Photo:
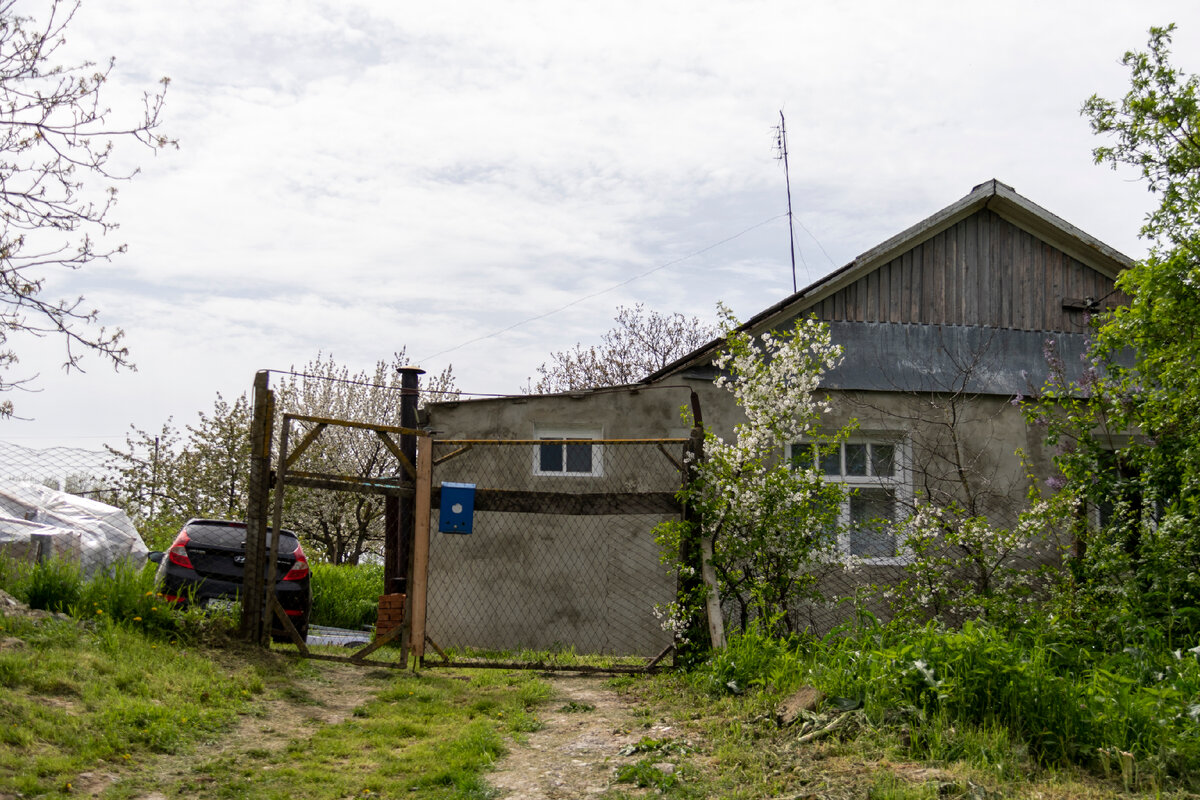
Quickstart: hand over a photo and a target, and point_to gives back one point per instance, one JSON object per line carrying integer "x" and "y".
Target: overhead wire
{"x": 611, "y": 288}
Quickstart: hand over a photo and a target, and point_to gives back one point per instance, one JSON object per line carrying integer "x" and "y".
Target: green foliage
{"x": 1156, "y": 131}
{"x": 772, "y": 523}
{"x": 996, "y": 694}
{"x": 125, "y": 594}
{"x": 1128, "y": 435}
{"x": 74, "y": 698}
{"x": 345, "y": 595}
{"x": 964, "y": 567}
{"x": 752, "y": 659}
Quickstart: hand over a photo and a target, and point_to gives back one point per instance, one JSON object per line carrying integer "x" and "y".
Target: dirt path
{"x": 577, "y": 751}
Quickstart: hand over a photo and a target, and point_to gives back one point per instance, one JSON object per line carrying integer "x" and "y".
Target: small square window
{"x": 568, "y": 453}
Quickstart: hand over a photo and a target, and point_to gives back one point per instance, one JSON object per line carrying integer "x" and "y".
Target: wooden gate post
{"x": 420, "y": 571}
{"x": 262, "y": 427}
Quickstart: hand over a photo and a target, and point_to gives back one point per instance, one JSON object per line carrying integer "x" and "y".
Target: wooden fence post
{"x": 262, "y": 426}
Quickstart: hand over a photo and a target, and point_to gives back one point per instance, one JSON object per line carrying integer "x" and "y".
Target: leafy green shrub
{"x": 125, "y": 594}
{"x": 751, "y": 659}
{"x": 52, "y": 585}
{"x": 1064, "y": 702}
{"x": 346, "y": 596}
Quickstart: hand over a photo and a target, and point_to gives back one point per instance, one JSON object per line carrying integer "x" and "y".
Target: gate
{"x": 558, "y": 568}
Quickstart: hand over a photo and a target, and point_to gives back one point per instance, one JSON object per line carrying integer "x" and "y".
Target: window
{"x": 875, "y": 476}
{"x": 568, "y": 453}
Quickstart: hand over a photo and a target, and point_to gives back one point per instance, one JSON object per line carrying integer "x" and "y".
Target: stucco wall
{"x": 957, "y": 448}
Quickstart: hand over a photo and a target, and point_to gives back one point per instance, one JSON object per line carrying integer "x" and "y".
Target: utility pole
{"x": 781, "y": 146}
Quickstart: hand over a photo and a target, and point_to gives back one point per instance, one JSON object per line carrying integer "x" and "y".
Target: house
{"x": 942, "y": 326}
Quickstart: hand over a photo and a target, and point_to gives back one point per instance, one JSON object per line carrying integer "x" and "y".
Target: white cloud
{"x": 356, "y": 176}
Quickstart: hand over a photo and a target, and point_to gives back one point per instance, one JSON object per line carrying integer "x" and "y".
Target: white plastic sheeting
{"x": 39, "y": 522}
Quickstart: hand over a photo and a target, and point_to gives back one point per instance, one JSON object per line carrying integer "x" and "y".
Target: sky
{"x": 484, "y": 183}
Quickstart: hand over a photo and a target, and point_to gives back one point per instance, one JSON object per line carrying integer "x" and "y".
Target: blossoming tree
{"x": 771, "y": 522}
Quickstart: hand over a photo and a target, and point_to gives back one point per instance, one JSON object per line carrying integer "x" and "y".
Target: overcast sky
{"x": 354, "y": 177}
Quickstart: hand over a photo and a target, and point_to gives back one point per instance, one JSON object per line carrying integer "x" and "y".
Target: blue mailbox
{"x": 457, "y": 511}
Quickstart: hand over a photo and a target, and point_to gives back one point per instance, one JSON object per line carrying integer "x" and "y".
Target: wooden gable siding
{"x": 982, "y": 271}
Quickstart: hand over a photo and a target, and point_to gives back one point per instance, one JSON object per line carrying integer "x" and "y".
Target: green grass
{"x": 346, "y": 596}
{"x": 75, "y": 698}
{"x": 1005, "y": 709}
{"x": 428, "y": 737}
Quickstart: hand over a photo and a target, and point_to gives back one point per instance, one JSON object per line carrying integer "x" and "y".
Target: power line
{"x": 614, "y": 287}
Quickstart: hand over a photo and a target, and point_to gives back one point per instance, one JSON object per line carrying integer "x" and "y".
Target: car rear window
{"x": 232, "y": 536}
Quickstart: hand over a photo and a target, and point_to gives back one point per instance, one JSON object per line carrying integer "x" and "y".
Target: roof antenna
{"x": 781, "y": 148}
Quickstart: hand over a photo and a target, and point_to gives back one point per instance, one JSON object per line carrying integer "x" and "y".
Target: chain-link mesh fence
{"x": 54, "y": 504}
{"x": 561, "y": 555}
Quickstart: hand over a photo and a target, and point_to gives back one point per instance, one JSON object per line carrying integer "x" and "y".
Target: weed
{"x": 648, "y": 773}
{"x": 346, "y": 596}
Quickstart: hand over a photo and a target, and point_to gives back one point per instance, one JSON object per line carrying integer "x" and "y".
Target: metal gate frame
{"x": 263, "y": 528}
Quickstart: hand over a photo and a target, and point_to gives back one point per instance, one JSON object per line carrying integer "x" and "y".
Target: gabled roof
{"x": 992, "y": 195}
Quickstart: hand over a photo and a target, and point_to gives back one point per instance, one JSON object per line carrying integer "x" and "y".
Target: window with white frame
{"x": 568, "y": 453}
{"x": 875, "y": 474}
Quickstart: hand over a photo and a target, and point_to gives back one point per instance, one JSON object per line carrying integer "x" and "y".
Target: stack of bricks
{"x": 391, "y": 613}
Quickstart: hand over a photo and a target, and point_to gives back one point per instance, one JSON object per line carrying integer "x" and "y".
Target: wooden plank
{"x": 345, "y": 423}
{"x": 582, "y": 504}
{"x": 968, "y": 246}
{"x": 345, "y": 484}
{"x": 395, "y": 450}
{"x": 674, "y": 461}
{"x": 897, "y": 306}
{"x": 287, "y": 625}
{"x": 421, "y": 514}
{"x": 379, "y": 642}
{"x": 258, "y": 508}
{"x": 938, "y": 298}
{"x": 1004, "y": 264}
{"x": 878, "y": 291}
{"x": 950, "y": 260}
{"x": 1056, "y": 317}
{"x": 453, "y": 454}
{"x": 987, "y": 279}
{"x": 912, "y": 271}
{"x": 308, "y": 439}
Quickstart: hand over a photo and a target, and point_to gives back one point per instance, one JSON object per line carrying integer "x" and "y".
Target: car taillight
{"x": 299, "y": 569}
{"x": 178, "y": 553}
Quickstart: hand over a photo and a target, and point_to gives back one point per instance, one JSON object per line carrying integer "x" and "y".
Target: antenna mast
{"x": 781, "y": 146}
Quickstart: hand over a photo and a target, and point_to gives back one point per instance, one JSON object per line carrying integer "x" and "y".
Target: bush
{"x": 126, "y": 594}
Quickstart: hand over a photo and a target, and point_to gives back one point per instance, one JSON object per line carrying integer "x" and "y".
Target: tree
{"x": 641, "y": 343}
{"x": 1129, "y": 438}
{"x": 202, "y": 470}
{"x": 165, "y": 478}
{"x": 57, "y": 183}
{"x": 343, "y": 527}
{"x": 772, "y": 523}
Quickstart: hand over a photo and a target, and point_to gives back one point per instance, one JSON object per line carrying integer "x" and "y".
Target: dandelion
{"x": 99, "y": 610}
{"x": 149, "y": 594}
{"x": 137, "y": 619}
